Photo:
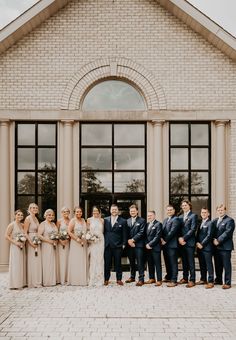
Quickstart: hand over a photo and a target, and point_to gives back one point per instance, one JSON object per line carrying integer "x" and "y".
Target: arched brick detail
{"x": 120, "y": 68}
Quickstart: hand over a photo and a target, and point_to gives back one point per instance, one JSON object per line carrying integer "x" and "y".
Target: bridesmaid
{"x": 34, "y": 260}
{"x": 77, "y": 265}
{"x": 17, "y": 260}
{"x": 46, "y": 229}
{"x": 62, "y": 225}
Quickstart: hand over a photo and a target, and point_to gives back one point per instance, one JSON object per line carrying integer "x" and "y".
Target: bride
{"x": 96, "y": 248}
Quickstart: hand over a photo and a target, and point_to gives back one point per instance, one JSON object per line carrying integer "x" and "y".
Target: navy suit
{"x": 136, "y": 232}
{"x": 115, "y": 238}
{"x": 153, "y": 239}
{"x": 223, "y": 232}
{"x": 170, "y": 233}
{"x": 188, "y": 231}
{"x": 205, "y": 238}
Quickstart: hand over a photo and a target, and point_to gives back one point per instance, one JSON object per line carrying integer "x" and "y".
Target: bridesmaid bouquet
{"x": 63, "y": 235}
{"x": 91, "y": 237}
{"x": 36, "y": 241}
{"x": 54, "y": 236}
{"x": 81, "y": 234}
{"x": 20, "y": 237}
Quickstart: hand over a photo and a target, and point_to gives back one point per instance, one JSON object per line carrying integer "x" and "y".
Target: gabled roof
{"x": 182, "y": 9}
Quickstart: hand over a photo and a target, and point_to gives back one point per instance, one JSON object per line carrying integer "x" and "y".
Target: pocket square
{"x": 120, "y": 226}
{"x": 204, "y": 226}
{"x": 137, "y": 224}
{"x": 153, "y": 228}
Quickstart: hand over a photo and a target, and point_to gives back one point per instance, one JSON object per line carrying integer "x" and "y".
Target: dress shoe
{"x": 201, "y": 282}
{"x": 150, "y": 281}
{"x": 226, "y": 286}
{"x": 130, "y": 280}
{"x": 209, "y": 285}
{"x": 171, "y": 284}
{"x": 165, "y": 280}
{"x": 190, "y": 284}
{"x": 182, "y": 281}
{"x": 158, "y": 284}
{"x": 120, "y": 283}
{"x": 139, "y": 283}
{"x": 216, "y": 282}
{"x": 106, "y": 283}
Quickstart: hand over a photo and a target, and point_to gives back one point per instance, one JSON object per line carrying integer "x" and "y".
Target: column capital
{"x": 221, "y": 122}
{"x": 67, "y": 121}
{"x": 4, "y": 122}
{"x": 158, "y": 122}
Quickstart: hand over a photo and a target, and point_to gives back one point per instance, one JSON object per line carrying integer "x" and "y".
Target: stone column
{"x": 68, "y": 164}
{"x": 5, "y": 191}
{"x": 220, "y": 162}
{"x": 158, "y": 178}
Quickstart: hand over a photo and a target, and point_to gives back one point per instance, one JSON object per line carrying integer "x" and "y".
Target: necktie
{"x": 219, "y": 221}
{"x": 150, "y": 226}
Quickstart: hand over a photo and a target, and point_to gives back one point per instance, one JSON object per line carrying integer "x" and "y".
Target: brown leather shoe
{"x": 171, "y": 284}
{"x": 190, "y": 284}
{"x": 106, "y": 283}
{"x": 209, "y": 285}
{"x": 158, "y": 284}
{"x": 130, "y": 280}
{"x": 150, "y": 281}
{"x": 183, "y": 281}
{"x": 139, "y": 283}
{"x": 120, "y": 283}
{"x": 226, "y": 286}
{"x": 201, "y": 282}
{"x": 166, "y": 280}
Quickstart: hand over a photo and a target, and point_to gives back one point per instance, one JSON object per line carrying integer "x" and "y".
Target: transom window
{"x": 110, "y": 95}
{"x": 190, "y": 164}
{"x": 36, "y": 159}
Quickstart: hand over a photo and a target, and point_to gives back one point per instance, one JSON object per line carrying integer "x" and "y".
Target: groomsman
{"x": 187, "y": 242}
{"x": 136, "y": 228}
{"x": 204, "y": 249}
{"x": 223, "y": 242}
{"x": 115, "y": 234}
{"x": 170, "y": 234}
{"x": 153, "y": 248}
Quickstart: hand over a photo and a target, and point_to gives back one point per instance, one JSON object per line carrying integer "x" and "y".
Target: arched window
{"x": 112, "y": 95}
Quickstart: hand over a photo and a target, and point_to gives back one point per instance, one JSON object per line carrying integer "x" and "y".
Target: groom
{"x": 115, "y": 229}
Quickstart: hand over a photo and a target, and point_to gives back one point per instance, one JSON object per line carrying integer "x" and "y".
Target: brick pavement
{"x": 113, "y": 312}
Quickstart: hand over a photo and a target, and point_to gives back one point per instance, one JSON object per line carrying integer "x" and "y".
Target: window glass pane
{"x": 199, "y": 183}
{"x": 200, "y": 202}
{"x": 179, "y": 183}
{"x": 176, "y": 201}
{"x": 128, "y": 158}
{"x": 23, "y": 202}
{"x": 199, "y": 159}
{"x": 129, "y": 182}
{"x": 130, "y": 134}
{"x": 47, "y": 183}
{"x": 199, "y": 134}
{"x": 96, "y": 134}
{"x": 26, "y": 182}
{"x": 113, "y": 95}
{"x": 179, "y": 134}
{"x": 96, "y": 181}
{"x": 46, "y": 134}
{"x": 47, "y": 159}
{"x": 124, "y": 204}
{"x": 47, "y": 202}
{"x": 26, "y": 159}
{"x": 179, "y": 159}
{"x": 26, "y": 134}
{"x": 96, "y": 159}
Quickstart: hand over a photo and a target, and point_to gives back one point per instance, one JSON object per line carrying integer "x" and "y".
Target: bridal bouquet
{"x": 20, "y": 237}
{"x": 54, "y": 236}
{"x": 90, "y": 237}
{"x": 36, "y": 241}
{"x": 63, "y": 235}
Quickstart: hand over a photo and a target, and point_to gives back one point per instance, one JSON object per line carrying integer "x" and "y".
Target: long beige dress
{"x": 48, "y": 256}
{"x": 63, "y": 255}
{"x": 34, "y": 263}
{"x": 77, "y": 264}
{"x": 17, "y": 260}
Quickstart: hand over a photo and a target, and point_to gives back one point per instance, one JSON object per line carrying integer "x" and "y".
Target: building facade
{"x": 116, "y": 101}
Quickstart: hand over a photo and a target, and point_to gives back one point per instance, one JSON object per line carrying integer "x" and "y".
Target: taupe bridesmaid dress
{"x": 77, "y": 265}
{"x": 63, "y": 255}
{"x": 34, "y": 263}
{"x": 17, "y": 261}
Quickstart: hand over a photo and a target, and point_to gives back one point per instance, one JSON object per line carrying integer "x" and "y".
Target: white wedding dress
{"x": 96, "y": 253}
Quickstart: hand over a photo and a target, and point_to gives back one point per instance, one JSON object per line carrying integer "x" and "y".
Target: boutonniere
{"x": 153, "y": 227}
{"x": 120, "y": 225}
{"x": 137, "y": 224}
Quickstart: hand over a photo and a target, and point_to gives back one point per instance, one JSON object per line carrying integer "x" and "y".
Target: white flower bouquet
{"x": 90, "y": 237}
{"x": 20, "y": 237}
{"x": 63, "y": 235}
{"x": 36, "y": 241}
{"x": 54, "y": 236}
{"x": 81, "y": 235}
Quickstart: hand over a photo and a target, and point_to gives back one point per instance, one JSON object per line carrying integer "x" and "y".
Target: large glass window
{"x": 36, "y": 158}
{"x": 190, "y": 164}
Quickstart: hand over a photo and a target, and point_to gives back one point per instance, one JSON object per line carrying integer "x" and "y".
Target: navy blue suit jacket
{"x": 115, "y": 236}
{"x": 153, "y": 236}
{"x": 170, "y": 232}
{"x": 136, "y": 232}
{"x": 224, "y": 233}
{"x": 189, "y": 228}
{"x": 205, "y": 235}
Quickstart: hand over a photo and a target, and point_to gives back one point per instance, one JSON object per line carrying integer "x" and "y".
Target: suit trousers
{"x": 110, "y": 253}
{"x": 206, "y": 265}
{"x": 136, "y": 254}
{"x": 223, "y": 262}
{"x": 171, "y": 263}
{"x": 188, "y": 263}
{"x": 154, "y": 264}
